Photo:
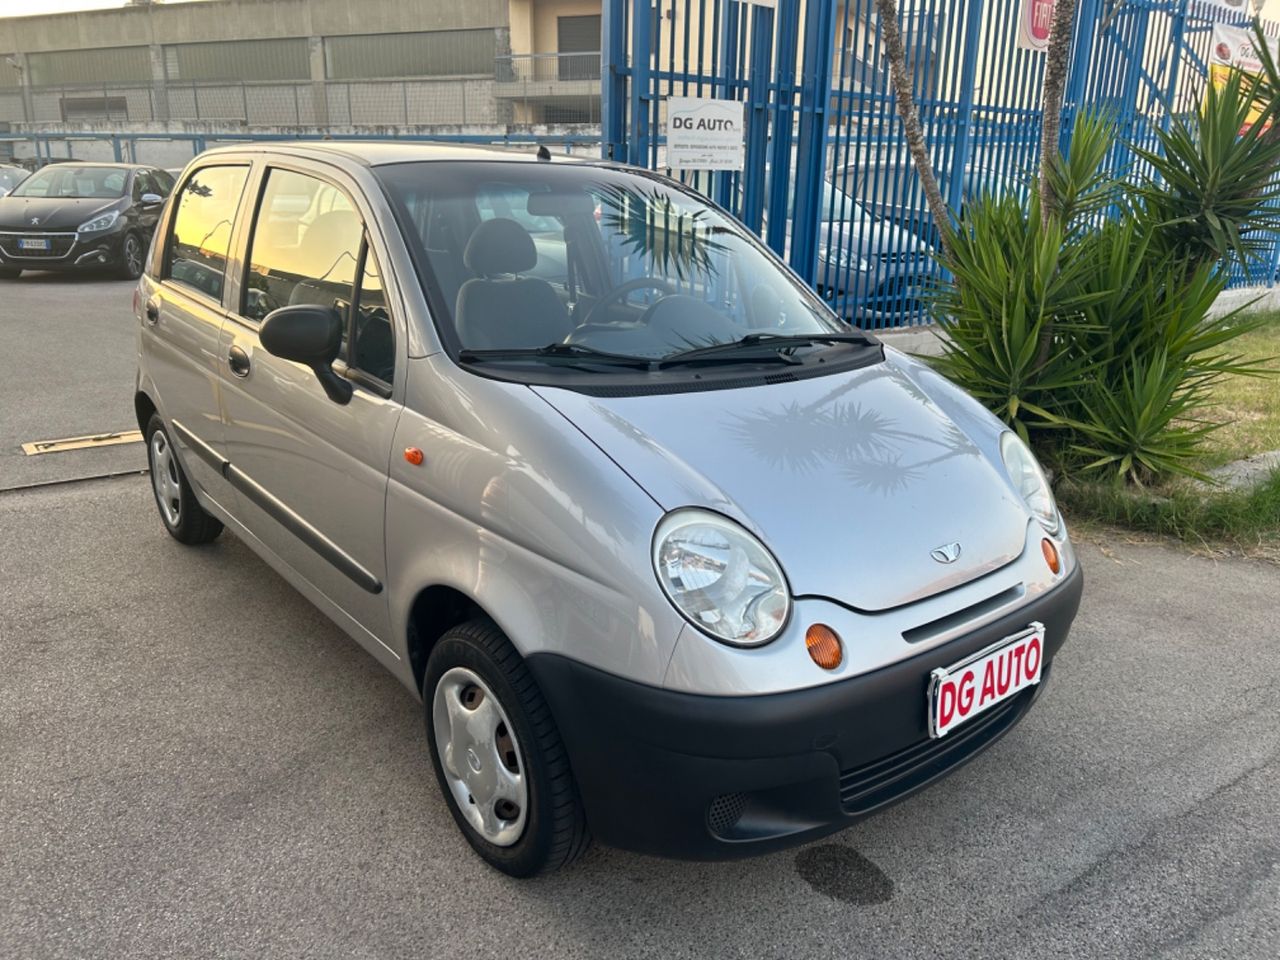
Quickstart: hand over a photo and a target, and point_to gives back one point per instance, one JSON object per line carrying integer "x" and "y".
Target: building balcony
{"x": 536, "y": 76}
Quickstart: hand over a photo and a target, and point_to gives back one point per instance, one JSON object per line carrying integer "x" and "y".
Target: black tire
{"x": 132, "y": 257}
{"x": 187, "y": 522}
{"x": 555, "y": 830}
{"x": 10, "y": 273}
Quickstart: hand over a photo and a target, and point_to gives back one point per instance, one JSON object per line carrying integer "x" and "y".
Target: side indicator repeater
{"x": 413, "y": 455}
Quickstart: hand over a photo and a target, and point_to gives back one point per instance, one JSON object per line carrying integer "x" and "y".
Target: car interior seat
{"x": 498, "y": 308}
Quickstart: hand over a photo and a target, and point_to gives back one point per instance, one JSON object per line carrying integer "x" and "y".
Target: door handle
{"x": 153, "y": 312}
{"x": 238, "y": 361}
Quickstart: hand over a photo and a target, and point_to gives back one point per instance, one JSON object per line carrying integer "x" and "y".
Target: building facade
{"x": 305, "y": 64}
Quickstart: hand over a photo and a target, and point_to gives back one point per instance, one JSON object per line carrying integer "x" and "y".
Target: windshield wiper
{"x": 572, "y": 352}
{"x": 772, "y": 343}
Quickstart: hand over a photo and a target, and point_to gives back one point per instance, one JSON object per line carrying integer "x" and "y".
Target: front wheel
{"x": 131, "y": 257}
{"x": 182, "y": 516}
{"x": 498, "y": 756}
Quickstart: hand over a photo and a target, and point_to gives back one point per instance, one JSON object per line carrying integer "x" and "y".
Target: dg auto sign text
{"x": 705, "y": 134}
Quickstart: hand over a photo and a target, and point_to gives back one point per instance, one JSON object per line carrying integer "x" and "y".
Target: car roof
{"x": 100, "y": 163}
{"x": 374, "y": 153}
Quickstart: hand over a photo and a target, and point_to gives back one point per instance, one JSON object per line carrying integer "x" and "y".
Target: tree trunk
{"x": 1055, "y": 81}
{"x": 906, "y": 105}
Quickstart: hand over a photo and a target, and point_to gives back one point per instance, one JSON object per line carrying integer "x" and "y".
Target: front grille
{"x": 909, "y": 256}
{"x": 60, "y": 245}
{"x": 864, "y": 788}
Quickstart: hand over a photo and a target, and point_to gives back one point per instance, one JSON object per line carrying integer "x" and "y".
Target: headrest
{"x": 499, "y": 246}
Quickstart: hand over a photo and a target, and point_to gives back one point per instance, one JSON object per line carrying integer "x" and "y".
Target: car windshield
{"x": 75, "y": 182}
{"x": 518, "y": 256}
{"x": 10, "y": 177}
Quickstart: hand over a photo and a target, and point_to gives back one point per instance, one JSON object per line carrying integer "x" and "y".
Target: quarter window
{"x": 306, "y": 246}
{"x": 372, "y": 341}
{"x": 196, "y": 255}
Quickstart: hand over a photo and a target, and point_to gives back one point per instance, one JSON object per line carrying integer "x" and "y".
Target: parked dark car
{"x": 10, "y": 177}
{"x": 82, "y": 216}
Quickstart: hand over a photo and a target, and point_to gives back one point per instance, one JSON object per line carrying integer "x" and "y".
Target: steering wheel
{"x": 619, "y": 293}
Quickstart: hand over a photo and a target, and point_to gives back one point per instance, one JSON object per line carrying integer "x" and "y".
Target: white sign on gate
{"x": 1235, "y": 9}
{"x": 705, "y": 134}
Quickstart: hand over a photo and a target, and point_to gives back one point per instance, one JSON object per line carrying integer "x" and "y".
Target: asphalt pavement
{"x": 195, "y": 763}
{"x": 69, "y": 358}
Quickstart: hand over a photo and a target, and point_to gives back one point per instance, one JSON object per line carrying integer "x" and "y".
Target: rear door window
{"x": 196, "y": 249}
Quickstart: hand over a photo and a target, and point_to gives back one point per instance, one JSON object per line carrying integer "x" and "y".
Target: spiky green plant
{"x": 1089, "y": 331}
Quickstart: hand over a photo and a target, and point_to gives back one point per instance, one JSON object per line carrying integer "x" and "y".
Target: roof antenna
{"x": 543, "y": 153}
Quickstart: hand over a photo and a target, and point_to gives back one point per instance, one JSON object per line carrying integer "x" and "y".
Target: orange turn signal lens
{"x": 413, "y": 455}
{"x": 1051, "y": 555}
{"x": 824, "y": 646}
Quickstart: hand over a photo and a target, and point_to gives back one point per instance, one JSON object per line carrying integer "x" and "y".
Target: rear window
{"x": 196, "y": 253}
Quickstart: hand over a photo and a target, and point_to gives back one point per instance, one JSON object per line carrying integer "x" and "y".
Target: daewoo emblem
{"x": 947, "y": 553}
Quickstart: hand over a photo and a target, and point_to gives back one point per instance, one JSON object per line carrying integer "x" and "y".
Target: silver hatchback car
{"x": 672, "y": 556}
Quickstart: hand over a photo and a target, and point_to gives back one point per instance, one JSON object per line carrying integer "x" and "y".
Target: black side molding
{"x": 279, "y": 512}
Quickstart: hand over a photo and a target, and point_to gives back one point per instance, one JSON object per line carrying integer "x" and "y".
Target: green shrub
{"x": 1086, "y": 328}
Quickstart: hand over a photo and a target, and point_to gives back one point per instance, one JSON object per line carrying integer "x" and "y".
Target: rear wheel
{"x": 10, "y": 273}
{"x": 182, "y": 516}
{"x": 131, "y": 255}
{"x": 498, "y": 756}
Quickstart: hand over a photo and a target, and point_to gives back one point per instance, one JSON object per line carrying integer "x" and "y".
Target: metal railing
{"x": 547, "y": 67}
{"x": 397, "y": 101}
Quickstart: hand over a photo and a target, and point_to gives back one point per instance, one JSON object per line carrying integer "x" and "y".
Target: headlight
{"x": 720, "y": 577}
{"x": 1029, "y": 479}
{"x": 98, "y": 224}
{"x": 842, "y": 258}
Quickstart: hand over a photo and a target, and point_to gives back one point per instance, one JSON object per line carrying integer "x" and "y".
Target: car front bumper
{"x": 702, "y": 778}
{"x": 69, "y": 251}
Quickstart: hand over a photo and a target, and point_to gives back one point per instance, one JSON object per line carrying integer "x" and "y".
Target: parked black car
{"x": 81, "y": 216}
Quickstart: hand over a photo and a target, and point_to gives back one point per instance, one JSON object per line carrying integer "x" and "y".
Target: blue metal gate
{"x": 827, "y": 180}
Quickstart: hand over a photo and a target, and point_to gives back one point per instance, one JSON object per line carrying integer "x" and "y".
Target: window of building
{"x": 196, "y": 254}
{"x": 430, "y": 54}
{"x": 578, "y": 42}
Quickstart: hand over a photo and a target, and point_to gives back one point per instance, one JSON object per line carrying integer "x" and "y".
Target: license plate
{"x": 962, "y": 691}
{"x": 29, "y": 243}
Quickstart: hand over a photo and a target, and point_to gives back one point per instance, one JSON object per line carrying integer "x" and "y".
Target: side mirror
{"x": 311, "y": 335}
{"x": 152, "y": 199}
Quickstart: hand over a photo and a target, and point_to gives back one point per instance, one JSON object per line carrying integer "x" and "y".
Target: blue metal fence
{"x": 827, "y": 180}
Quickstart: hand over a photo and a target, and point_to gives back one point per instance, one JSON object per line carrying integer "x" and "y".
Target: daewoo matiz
{"x": 672, "y": 556}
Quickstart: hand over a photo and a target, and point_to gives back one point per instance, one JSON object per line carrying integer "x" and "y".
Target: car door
{"x": 310, "y": 473}
{"x": 183, "y": 316}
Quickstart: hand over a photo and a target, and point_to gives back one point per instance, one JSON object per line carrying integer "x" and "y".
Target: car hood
{"x": 869, "y": 237}
{"x": 52, "y": 213}
{"x": 851, "y": 479}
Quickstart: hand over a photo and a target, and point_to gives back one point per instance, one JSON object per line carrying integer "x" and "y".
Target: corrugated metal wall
{"x": 434, "y": 54}
{"x": 250, "y": 60}
{"x": 105, "y": 65}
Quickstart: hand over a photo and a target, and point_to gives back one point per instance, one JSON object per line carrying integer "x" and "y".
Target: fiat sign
{"x": 1034, "y": 23}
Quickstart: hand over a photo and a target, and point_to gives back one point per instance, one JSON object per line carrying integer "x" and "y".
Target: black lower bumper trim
{"x": 699, "y": 777}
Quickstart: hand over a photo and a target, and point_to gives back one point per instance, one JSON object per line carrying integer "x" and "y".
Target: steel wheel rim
{"x": 132, "y": 256}
{"x": 164, "y": 479}
{"x": 480, "y": 756}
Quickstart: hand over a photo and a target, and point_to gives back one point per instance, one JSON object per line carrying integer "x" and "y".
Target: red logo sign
{"x": 1039, "y": 20}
